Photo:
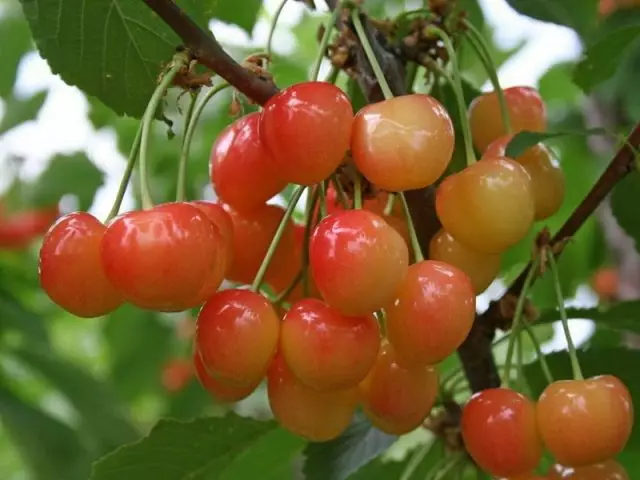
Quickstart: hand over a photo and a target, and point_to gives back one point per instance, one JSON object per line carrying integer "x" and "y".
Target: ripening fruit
{"x": 609, "y": 470}
{"x": 526, "y": 111}
{"x": 221, "y": 219}
{"x": 237, "y": 334}
{"x": 482, "y": 268}
{"x": 358, "y": 261}
{"x": 547, "y": 178}
{"x": 488, "y": 206}
{"x": 325, "y": 349}
{"x": 176, "y": 374}
{"x": 403, "y": 143}
{"x": 583, "y": 422}
{"x": 17, "y": 231}
{"x": 70, "y": 267}
{"x": 432, "y": 313}
{"x": 218, "y": 389}
{"x": 307, "y": 128}
{"x": 314, "y": 415}
{"x": 499, "y": 431}
{"x": 242, "y": 171}
{"x": 397, "y": 399}
{"x": 606, "y": 282}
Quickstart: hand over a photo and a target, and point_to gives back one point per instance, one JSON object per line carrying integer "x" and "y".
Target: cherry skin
{"x": 221, "y": 391}
{"x": 606, "y": 282}
{"x": 358, "y": 261}
{"x": 325, "y": 349}
{"x": 583, "y": 422}
{"x": 176, "y": 375}
{"x": 314, "y": 415}
{"x": 307, "y": 128}
{"x": 482, "y": 268}
{"x": 526, "y": 112}
{"x": 221, "y": 219}
{"x": 397, "y": 399}
{"x": 403, "y": 143}
{"x": 488, "y": 206}
{"x": 237, "y": 334}
{"x": 499, "y": 431}
{"x": 432, "y": 314}
{"x": 547, "y": 178}
{"x": 160, "y": 258}
{"x": 609, "y": 470}
{"x": 17, "y": 231}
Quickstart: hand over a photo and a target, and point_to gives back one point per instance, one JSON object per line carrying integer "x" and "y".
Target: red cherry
{"x": 499, "y": 431}
{"x": 176, "y": 374}
{"x": 20, "y": 229}
{"x": 307, "y": 128}
{"x": 221, "y": 219}
{"x": 375, "y": 204}
{"x": 237, "y": 334}
{"x": 609, "y": 470}
{"x": 221, "y": 391}
{"x": 432, "y": 314}
{"x": 526, "y": 112}
{"x": 397, "y": 399}
{"x": 314, "y": 415}
{"x": 488, "y": 206}
{"x": 403, "y": 143}
{"x": 326, "y": 349}
{"x": 583, "y": 422}
{"x": 70, "y": 268}
{"x": 358, "y": 261}
{"x": 160, "y": 258}
{"x": 606, "y": 282}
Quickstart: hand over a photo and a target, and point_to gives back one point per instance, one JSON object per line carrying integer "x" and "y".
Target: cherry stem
{"x": 126, "y": 176}
{"x": 181, "y": 190}
{"x": 416, "y": 460}
{"x": 573, "y": 355}
{"x": 257, "y": 281}
{"x": 324, "y": 41}
{"x": 391, "y": 201}
{"x": 322, "y": 192}
{"x": 480, "y": 46}
{"x": 179, "y": 61}
{"x": 285, "y": 293}
{"x": 546, "y": 371}
{"x": 415, "y": 243}
{"x": 410, "y": 79}
{"x": 342, "y": 197}
{"x": 274, "y": 23}
{"x": 444, "y": 467}
{"x": 368, "y": 50}
{"x": 357, "y": 191}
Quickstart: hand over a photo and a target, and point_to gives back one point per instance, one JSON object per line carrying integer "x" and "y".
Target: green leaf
{"x": 201, "y": 449}
{"x": 228, "y": 11}
{"x": 339, "y": 458}
{"x": 15, "y": 39}
{"x": 16, "y": 316}
{"x": 601, "y": 59}
{"x": 623, "y": 206}
{"x": 19, "y": 110}
{"x": 522, "y": 141}
{"x": 67, "y": 175}
{"x": 621, "y": 316}
{"x": 581, "y": 15}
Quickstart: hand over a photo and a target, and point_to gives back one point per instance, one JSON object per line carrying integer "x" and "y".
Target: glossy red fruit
{"x": 526, "y": 111}
{"x": 609, "y": 470}
{"x": 218, "y": 389}
{"x": 307, "y": 129}
{"x": 547, "y": 178}
{"x": 161, "y": 258}
{"x": 358, "y": 261}
{"x": 242, "y": 171}
{"x": 499, "y": 431}
{"x": 482, "y": 268}
{"x": 176, "y": 374}
{"x": 19, "y": 230}
{"x": 221, "y": 219}
{"x": 237, "y": 334}
{"x": 314, "y": 415}
{"x": 397, "y": 399}
{"x": 583, "y": 422}
{"x": 71, "y": 270}
{"x": 488, "y": 206}
{"x": 403, "y": 143}
{"x": 325, "y": 349}
{"x": 432, "y": 313}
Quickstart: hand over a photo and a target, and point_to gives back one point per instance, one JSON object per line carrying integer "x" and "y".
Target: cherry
{"x": 432, "y": 314}
{"x": 161, "y": 258}
{"x": 609, "y": 470}
{"x": 488, "y": 206}
{"x": 17, "y": 231}
{"x": 307, "y": 128}
{"x": 482, "y": 268}
{"x": 400, "y": 225}
{"x": 314, "y": 415}
{"x": 242, "y": 172}
{"x": 526, "y": 112}
{"x": 237, "y": 334}
{"x": 547, "y": 178}
{"x": 70, "y": 268}
{"x": 606, "y": 282}
{"x": 221, "y": 391}
{"x": 499, "y": 431}
{"x": 358, "y": 261}
{"x": 176, "y": 374}
{"x": 325, "y": 349}
{"x": 397, "y": 399}
{"x": 403, "y": 143}
{"x": 583, "y": 422}
{"x": 375, "y": 203}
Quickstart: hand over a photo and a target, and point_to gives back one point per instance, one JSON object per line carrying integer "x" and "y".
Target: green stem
{"x": 179, "y": 61}
{"x": 410, "y": 78}
{"x": 357, "y": 191}
{"x": 391, "y": 201}
{"x": 181, "y": 190}
{"x": 480, "y": 46}
{"x": 415, "y": 243}
{"x": 573, "y": 355}
{"x": 546, "y": 371}
{"x": 285, "y": 293}
{"x": 340, "y": 194}
{"x": 257, "y": 281}
{"x": 322, "y": 192}
{"x": 274, "y": 23}
{"x": 325, "y": 41}
{"x": 126, "y": 176}
{"x": 368, "y": 50}
{"x": 308, "y": 226}
{"x": 416, "y": 460}
{"x": 418, "y": 11}
{"x": 444, "y": 467}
